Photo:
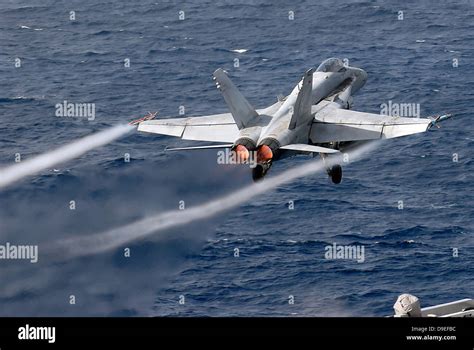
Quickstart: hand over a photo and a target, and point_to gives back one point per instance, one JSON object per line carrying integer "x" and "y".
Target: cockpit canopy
{"x": 331, "y": 65}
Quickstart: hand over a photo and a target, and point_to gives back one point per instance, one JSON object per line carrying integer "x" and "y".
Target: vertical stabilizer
{"x": 302, "y": 108}
{"x": 241, "y": 109}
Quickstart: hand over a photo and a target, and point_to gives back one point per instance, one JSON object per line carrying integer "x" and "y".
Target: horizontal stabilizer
{"x": 301, "y": 147}
{"x": 229, "y": 145}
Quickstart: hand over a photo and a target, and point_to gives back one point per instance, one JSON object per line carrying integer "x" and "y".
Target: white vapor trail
{"x": 64, "y": 153}
{"x": 114, "y": 238}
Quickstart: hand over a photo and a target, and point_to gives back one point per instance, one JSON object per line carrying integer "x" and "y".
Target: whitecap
{"x": 26, "y": 27}
{"x": 449, "y": 205}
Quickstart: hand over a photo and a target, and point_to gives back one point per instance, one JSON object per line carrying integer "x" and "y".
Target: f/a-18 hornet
{"x": 314, "y": 118}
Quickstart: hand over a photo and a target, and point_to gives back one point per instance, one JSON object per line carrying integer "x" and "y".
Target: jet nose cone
{"x": 361, "y": 78}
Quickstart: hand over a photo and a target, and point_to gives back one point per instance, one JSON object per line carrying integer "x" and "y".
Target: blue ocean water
{"x": 281, "y": 251}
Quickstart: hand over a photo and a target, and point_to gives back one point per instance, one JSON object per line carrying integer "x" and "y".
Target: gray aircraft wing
{"x": 213, "y": 128}
{"x": 336, "y": 125}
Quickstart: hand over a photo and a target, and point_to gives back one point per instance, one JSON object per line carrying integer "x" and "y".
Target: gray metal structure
{"x": 314, "y": 118}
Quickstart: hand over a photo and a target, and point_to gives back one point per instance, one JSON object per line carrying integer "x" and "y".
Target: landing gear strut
{"x": 260, "y": 170}
{"x": 335, "y": 173}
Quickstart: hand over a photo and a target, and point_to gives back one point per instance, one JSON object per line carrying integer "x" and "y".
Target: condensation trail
{"x": 114, "y": 238}
{"x": 64, "y": 153}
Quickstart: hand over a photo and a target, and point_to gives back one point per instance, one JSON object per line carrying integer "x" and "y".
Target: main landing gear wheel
{"x": 335, "y": 173}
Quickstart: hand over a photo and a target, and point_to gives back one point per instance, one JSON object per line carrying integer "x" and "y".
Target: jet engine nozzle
{"x": 242, "y": 153}
{"x": 264, "y": 154}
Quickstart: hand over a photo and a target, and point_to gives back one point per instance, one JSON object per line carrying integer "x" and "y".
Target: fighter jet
{"x": 315, "y": 118}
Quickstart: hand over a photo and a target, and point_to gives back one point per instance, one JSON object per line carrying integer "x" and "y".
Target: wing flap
{"x": 398, "y": 130}
{"x": 164, "y": 129}
{"x": 214, "y": 133}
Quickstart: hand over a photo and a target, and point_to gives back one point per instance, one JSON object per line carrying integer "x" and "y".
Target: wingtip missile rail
{"x": 149, "y": 116}
{"x": 438, "y": 119}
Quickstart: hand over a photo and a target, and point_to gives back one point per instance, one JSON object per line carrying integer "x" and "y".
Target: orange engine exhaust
{"x": 242, "y": 153}
{"x": 264, "y": 154}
